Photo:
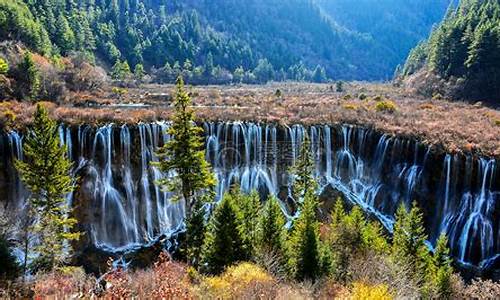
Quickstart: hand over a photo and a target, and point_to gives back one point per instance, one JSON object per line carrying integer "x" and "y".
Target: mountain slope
{"x": 394, "y": 25}
{"x": 268, "y": 39}
{"x": 461, "y": 58}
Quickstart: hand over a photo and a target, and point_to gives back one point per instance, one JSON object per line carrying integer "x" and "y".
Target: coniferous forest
{"x": 257, "y": 42}
{"x": 250, "y": 149}
{"x": 462, "y": 54}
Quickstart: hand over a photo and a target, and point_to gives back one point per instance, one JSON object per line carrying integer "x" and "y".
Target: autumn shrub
{"x": 330, "y": 289}
{"x": 166, "y": 280}
{"x": 243, "y": 281}
{"x": 350, "y": 106}
{"x": 4, "y": 66}
{"x": 429, "y": 106}
{"x": 386, "y": 106}
{"x": 478, "y": 289}
{"x": 362, "y": 291}
{"x": 7, "y": 117}
{"x": 376, "y": 269}
{"x": 68, "y": 282}
{"x": 81, "y": 75}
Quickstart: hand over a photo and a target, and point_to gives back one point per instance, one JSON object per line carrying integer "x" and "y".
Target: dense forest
{"x": 461, "y": 58}
{"x": 395, "y": 26}
{"x": 257, "y": 42}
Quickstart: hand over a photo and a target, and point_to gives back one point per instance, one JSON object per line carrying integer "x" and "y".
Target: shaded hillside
{"x": 461, "y": 58}
{"x": 216, "y": 41}
{"x": 393, "y": 25}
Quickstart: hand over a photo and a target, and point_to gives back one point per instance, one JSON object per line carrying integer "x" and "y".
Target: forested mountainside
{"x": 220, "y": 41}
{"x": 393, "y": 25}
{"x": 461, "y": 58}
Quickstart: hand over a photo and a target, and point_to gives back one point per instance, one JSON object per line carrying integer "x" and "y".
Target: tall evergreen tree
{"x": 196, "y": 227}
{"x": 408, "y": 248}
{"x": 32, "y": 84}
{"x": 352, "y": 235}
{"x": 249, "y": 207}
{"x": 183, "y": 154}
{"x": 46, "y": 172}
{"x": 304, "y": 244}
{"x": 65, "y": 37}
{"x": 224, "y": 243}
{"x": 303, "y": 181}
{"x": 441, "y": 270}
{"x": 271, "y": 234}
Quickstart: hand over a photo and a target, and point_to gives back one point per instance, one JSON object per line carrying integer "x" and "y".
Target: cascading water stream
{"x": 124, "y": 208}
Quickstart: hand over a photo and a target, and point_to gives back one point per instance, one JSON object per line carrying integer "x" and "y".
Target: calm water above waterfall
{"x": 120, "y": 207}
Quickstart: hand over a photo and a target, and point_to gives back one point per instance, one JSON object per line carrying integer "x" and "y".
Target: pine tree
{"x": 352, "y": 235}
{"x": 239, "y": 74}
{"x": 302, "y": 172}
{"x": 408, "y": 248}
{"x": 249, "y": 208}
{"x": 46, "y": 173}
{"x": 339, "y": 86}
{"x": 121, "y": 70}
{"x": 224, "y": 243}
{"x": 441, "y": 270}
{"x": 9, "y": 269}
{"x": 374, "y": 239}
{"x": 319, "y": 74}
{"x": 271, "y": 234}
{"x": 32, "y": 84}
{"x": 184, "y": 154}
{"x": 65, "y": 37}
{"x": 209, "y": 65}
{"x": 196, "y": 227}
{"x": 139, "y": 72}
{"x": 304, "y": 244}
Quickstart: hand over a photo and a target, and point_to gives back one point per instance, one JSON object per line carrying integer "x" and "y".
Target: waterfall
{"x": 124, "y": 208}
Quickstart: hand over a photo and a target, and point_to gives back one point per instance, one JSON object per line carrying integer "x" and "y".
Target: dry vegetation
{"x": 456, "y": 126}
{"x": 174, "y": 280}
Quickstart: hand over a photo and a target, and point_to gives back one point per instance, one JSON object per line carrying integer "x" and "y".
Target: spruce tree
{"x": 46, "y": 173}
{"x": 196, "y": 227}
{"x": 271, "y": 234}
{"x": 304, "y": 244}
{"x": 319, "y": 74}
{"x": 408, "y": 248}
{"x": 183, "y": 154}
{"x": 139, "y": 72}
{"x": 302, "y": 172}
{"x": 249, "y": 208}
{"x": 32, "y": 81}
{"x": 441, "y": 270}
{"x": 121, "y": 70}
{"x": 64, "y": 36}
{"x": 224, "y": 243}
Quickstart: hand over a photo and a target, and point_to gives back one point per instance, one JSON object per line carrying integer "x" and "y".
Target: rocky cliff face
{"x": 120, "y": 208}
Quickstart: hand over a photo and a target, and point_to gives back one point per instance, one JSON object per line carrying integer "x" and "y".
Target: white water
{"x": 374, "y": 171}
